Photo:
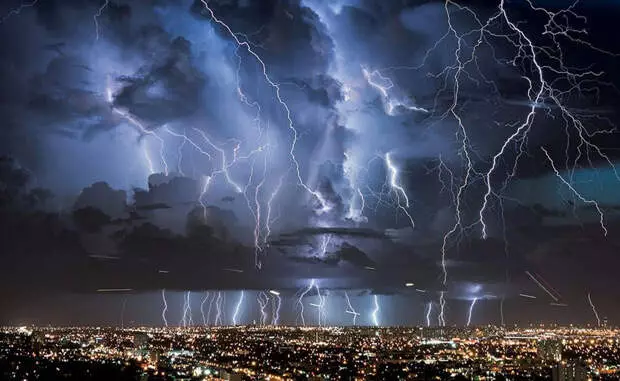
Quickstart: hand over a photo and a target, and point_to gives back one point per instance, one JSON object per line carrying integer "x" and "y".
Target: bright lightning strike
{"x": 235, "y": 316}
{"x": 397, "y": 187}
{"x": 428, "y": 314}
{"x": 262, "y": 300}
{"x": 442, "y": 306}
{"x": 320, "y": 306}
{"x": 323, "y": 205}
{"x": 300, "y": 303}
{"x": 598, "y": 320}
{"x": 163, "y": 312}
{"x": 218, "y": 306}
{"x": 202, "y": 311}
{"x": 471, "y": 310}
{"x": 276, "y": 303}
{"x": 350, "y": 309}
{"x": 579, "y": 196}
{"x": 375, "y": 312}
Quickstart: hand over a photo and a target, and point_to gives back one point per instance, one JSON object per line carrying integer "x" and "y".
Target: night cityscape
{"x": 309, "y": 190}
{"x": 279, "y": 353}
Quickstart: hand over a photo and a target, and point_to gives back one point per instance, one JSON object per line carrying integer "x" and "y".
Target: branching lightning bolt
{"x": 276, "y": 303}
{"x": 218, "y": 306}
{"x": 442, "y": 305}
{"x": 263, "y": 300}
{"x": 323, "y": 205}
{"x": 205, "y": 322}
{"x": 397, "y": 187}
{"x": 300, "y": 303}
{"x": 350, "y": 309}
{"x": 97, "y": 15}
{"x": 320, "y": 306}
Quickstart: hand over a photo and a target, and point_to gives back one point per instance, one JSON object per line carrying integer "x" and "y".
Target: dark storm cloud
{"x": 164, "y": 65}
{"x": 165, "y": 91}
{"x": 288, "y": 36}
{"x": 101, "y": 196}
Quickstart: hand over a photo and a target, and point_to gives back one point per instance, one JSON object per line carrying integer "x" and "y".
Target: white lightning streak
{"x": 579, "y": 196}
{"x": 442, "y": 306}
{"x": 218, "y": 306}
{"x": 375, "y": 312}
{"x": 320, "y": 306}
{"x": 300, "y": 303}
{"x": 163, "y": 312}
{"x": 202, "y": 311}
{"x": 262, "y": 299}
{"x": 598, "y": 320}
{"x": 397, "y": 187}
{"x": 428, "y": 314}
{"x": 96, "y": 16}
{"x": 276, "y": 303}
{"x": 350, "y": 309}
{"x": 237, "y": 309}
{"x": 471, "y": 310}
{"x": 324, "y": 207}
{"x": 18, "y": 10}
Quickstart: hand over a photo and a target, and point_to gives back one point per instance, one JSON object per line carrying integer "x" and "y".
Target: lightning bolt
{"x": 210, "y": 308}
{"x": 471, "y": 310}
{"x": 180, "y": 157}
{"x": 579, "y": 196}
{"x": 375, "y": 312}
{"x": 18, "y": 10}
{"x": 276, "y": 303}
{"x": 163, "y": 312}
{"x": 320, "y": 306}
{"x": 350, "y": 309}
{"x": 323, "y": 205}
{"x": 325, "y": 240}
{"x": 202, "y": 311}
{"x": 390, "y": 104}
{"x": 397, "y": 187}
{"x": 549, "y": 82}
{"x": 237, "y": 309}
{"x": 97, "y": 15}
{"x": 124, "y": 114}
{"x": 442, "y": 305}
{"x": 263, "y": 300}
{"x": 187, "y": 319}
{"x": 598, "y": 320}
{"x": 218, "y": 305}
{"x": 300, "y": 303}
{"x": 428, "y": 314}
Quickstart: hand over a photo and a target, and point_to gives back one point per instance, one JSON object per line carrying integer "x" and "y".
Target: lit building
{"x": 550, "y": 350}
{"x": 569, "y": 372}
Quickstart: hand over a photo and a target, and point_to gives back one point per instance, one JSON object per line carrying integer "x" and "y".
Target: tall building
{"x": 550, "y": 350}
{"x": 569, "y": 372}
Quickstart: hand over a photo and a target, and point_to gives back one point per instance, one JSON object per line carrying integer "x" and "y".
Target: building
{"x": 140, "y": 340}
{"x": 569, "y": 372}
{"x": 550, "y": 350}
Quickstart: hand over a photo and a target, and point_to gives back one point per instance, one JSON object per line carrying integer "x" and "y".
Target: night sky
{"x": 404, "y": 154}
